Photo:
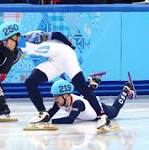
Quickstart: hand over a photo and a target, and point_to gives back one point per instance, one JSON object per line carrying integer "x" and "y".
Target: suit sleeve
{"x": 8, "y": 58}
{"x": 52, "y": 111}
{"x": 77, "y": 107}
{"x": 61, "y": 37}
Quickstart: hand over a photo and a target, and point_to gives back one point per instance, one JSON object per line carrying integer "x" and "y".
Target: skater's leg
{"x": 120, "y": 100}
{"x": 110, "y": 111}
{"x": 80, "y": 83}
{"x": 94, "y": 81}
{"x": 127, "y": 92}
{"x": 32, "y": 83}
{"x": 4, "y": 109}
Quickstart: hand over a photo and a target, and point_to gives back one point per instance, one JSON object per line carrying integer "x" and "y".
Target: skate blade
{"x": 131, "y": 81}
{"x": 8, "y": 119}
{"x": 40, "y": 128}
{"x": 103, "y": 130}
{"x": 113, "y": 127}
{"x": 98, "y": 74}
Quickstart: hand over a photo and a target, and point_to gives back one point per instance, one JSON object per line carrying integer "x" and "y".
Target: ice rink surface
{"x": 133, "y": 133}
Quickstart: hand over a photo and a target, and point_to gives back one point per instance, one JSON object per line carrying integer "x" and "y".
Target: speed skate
{"x": 7, "y": 118}
{"x": 133, "y": 86}
{"x": 98, "y": 74}
{"x": 112, "y": 127}
{"x": 40, "y": 127}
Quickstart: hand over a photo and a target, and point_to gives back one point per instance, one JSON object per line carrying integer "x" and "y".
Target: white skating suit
{"x": 80, "y": 109}
{"x": 61, "y": 58}
{"x": 88, "y": 113}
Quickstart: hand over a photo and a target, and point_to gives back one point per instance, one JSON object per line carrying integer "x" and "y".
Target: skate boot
{"x": 5, "y": 114}
{"x": 103, "y": 124}
{"x": 4, "y": 110}
{"x": 40, "y": 123}
{"x": 42, "y": 117}
{"x": 95, "y": 79}
{"x": 130, "y": 90}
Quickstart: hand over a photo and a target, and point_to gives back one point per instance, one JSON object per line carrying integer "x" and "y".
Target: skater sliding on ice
{"x": 77, "y": 106}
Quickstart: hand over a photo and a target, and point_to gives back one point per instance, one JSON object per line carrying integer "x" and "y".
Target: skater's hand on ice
{"x": 2, "y": 76}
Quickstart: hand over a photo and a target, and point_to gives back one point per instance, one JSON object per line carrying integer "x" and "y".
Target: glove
{"x": 2, "y": 76}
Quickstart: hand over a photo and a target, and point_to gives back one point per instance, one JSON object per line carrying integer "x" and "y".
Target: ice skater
{"x": 78, "y": 107}
{"x": 9, "y": 55}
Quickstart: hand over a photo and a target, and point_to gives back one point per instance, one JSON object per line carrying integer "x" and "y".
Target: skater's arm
{"x": 18, "y": 54}
{"x": 8, "y": 58}
{"x": 36, "y": 49}
{"x": 2, "y": 62}
{"x": 61, "y": 37}
{"x": 52, "y": 111}
{"x": 77, "y": 107}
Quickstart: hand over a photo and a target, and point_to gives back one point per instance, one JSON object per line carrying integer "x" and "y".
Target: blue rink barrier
{"x": 107, "y": 88}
